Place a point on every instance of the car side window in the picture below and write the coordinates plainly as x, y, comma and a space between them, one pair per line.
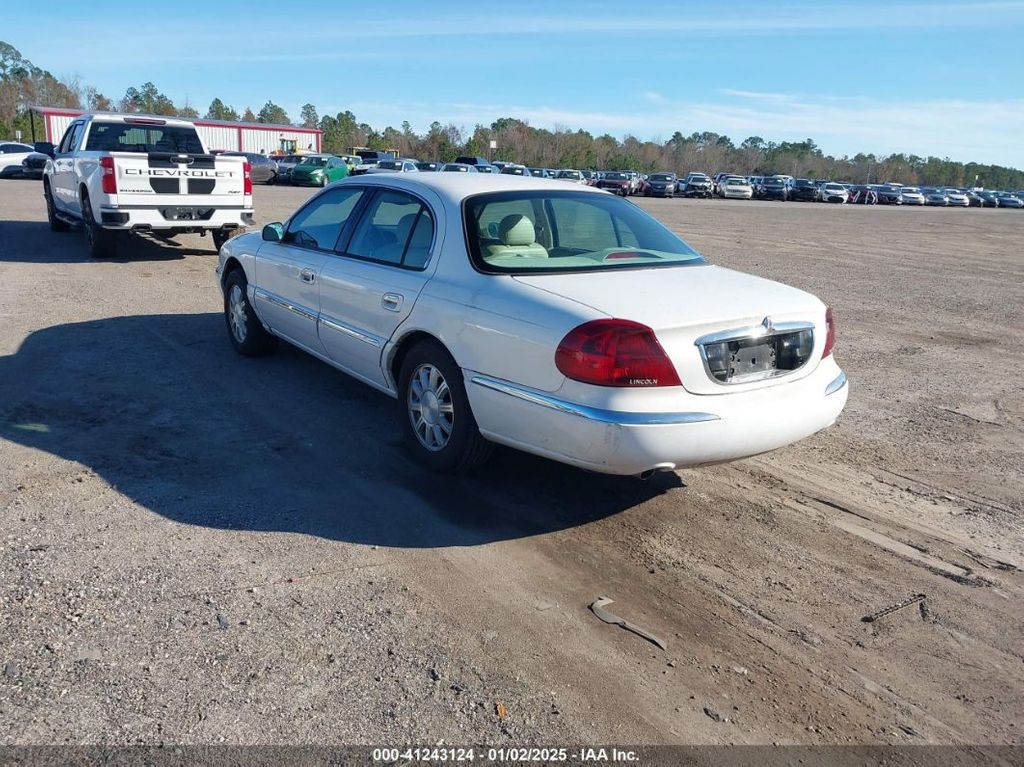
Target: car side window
319, 224
66, 140
396, 229
77, 130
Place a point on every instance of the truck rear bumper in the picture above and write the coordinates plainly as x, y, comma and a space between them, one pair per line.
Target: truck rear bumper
176, 217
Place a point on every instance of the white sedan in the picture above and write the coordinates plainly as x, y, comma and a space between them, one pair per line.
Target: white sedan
556, 319
735, 188
12, 154
911, 195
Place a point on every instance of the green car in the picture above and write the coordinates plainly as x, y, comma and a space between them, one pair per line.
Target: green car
319, 170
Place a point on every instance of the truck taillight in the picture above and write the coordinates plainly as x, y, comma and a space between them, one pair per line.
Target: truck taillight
109, 181
830, 333
615, 353
247, 175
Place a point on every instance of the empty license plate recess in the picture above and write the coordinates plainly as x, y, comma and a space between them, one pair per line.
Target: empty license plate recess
752, 359
737, 360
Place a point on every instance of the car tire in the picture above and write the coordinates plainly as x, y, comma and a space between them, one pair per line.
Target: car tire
56, 224
102, 242
436, 416
245, 330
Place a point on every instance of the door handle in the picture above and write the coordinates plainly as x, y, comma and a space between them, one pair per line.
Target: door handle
391, 301
307, 275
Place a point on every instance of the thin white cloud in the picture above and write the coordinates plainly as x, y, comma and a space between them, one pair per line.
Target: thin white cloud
676, 20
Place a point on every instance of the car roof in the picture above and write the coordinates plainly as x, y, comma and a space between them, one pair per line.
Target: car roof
458, 186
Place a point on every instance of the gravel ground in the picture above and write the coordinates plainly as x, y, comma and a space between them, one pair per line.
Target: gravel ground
201, 548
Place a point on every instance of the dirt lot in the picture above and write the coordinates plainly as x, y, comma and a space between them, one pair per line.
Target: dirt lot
201, 548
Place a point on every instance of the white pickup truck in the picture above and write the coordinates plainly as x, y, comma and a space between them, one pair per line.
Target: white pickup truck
113, 174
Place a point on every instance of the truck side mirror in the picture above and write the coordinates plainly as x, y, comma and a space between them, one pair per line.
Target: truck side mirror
273, 232
45, 147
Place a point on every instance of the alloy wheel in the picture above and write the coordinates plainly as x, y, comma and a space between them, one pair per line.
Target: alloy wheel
236, 313
430, 406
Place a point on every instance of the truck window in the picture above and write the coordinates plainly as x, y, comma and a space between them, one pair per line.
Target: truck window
124, 137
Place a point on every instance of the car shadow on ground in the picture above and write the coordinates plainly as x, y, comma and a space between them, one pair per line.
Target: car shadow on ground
32, 242
163, 409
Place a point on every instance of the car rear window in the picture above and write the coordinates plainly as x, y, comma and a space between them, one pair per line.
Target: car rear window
125, 137
541, 231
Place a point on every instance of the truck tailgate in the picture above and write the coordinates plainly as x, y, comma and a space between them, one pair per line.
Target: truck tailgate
199, 180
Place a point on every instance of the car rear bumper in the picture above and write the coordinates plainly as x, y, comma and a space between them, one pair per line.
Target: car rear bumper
708, 429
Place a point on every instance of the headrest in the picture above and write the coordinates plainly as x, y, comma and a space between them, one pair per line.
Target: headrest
403, 227
516, 229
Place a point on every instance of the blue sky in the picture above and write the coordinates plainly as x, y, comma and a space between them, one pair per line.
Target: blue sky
938, 78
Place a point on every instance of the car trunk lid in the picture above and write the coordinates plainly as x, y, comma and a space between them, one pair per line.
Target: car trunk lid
685, 304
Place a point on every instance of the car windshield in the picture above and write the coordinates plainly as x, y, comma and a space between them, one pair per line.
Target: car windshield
389, 165
662, 177
453, 168
129, 137
541, 231
573, 174
314, 161
803, 182
834, 187
698, 176
616, 176
736, 182
774, 182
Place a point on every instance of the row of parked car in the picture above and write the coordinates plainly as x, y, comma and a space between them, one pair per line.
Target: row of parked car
786, 188
321, 169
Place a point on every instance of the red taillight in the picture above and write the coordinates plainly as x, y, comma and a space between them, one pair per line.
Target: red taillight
247, 176
830, 333
615, 353
109, 181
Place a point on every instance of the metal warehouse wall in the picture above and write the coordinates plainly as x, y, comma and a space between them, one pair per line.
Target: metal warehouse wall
257, 140
55, 127
218, 138
247, 138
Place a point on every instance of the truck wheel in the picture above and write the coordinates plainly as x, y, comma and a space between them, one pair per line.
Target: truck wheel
245, 330
102, 242
56, 224
435, 411
220, 236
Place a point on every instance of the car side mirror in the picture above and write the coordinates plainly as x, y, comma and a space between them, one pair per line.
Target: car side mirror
45, 147
273, 232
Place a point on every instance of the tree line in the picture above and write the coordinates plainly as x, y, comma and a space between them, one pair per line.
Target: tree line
23, 84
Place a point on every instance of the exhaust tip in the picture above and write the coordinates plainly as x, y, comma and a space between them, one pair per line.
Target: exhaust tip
655, 469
